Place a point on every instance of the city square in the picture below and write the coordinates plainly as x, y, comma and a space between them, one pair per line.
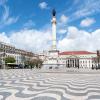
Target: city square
27, 84
49, 50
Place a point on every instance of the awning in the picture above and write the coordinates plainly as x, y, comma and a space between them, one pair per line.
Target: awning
12, 64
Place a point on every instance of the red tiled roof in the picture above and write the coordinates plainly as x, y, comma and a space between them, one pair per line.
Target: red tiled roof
75, 53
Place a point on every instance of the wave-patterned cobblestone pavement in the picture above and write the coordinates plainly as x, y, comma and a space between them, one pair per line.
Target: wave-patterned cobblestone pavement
28, 85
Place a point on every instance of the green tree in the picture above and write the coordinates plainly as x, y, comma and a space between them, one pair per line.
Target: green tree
10, 60
39, 63
34, 63
26, 63
1, 49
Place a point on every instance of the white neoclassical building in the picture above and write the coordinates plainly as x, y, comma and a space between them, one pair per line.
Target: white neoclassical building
70, 59
79, 59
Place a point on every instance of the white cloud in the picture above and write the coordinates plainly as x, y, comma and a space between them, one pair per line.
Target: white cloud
61, 24
29, 24
62, 31
63, 19
11, 20
87, 22
6, 19
80, 40
76, 2
29, 39
5, 13
86, 8
34, 40
4, 38
39, 40
75, 33
43, 5
2, 2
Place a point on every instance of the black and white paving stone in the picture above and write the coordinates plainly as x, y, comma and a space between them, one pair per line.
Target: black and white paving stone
18, 84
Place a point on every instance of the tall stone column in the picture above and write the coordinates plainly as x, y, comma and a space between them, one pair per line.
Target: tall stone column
54, 30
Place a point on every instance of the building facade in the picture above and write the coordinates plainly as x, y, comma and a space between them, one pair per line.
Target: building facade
77, 59
20, 56
71, 59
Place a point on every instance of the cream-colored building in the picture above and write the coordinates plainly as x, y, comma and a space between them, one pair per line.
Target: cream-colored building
79, 59
70, 59
20, 55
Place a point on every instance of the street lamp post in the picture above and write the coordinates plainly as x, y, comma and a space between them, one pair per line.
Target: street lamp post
98, 59
4, 54
2, 59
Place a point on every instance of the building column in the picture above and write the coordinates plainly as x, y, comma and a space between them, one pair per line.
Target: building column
74, 62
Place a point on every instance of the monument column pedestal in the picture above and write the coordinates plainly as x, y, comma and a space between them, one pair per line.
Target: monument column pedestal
53, 54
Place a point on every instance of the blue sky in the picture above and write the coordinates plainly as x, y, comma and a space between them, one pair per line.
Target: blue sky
23, 16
